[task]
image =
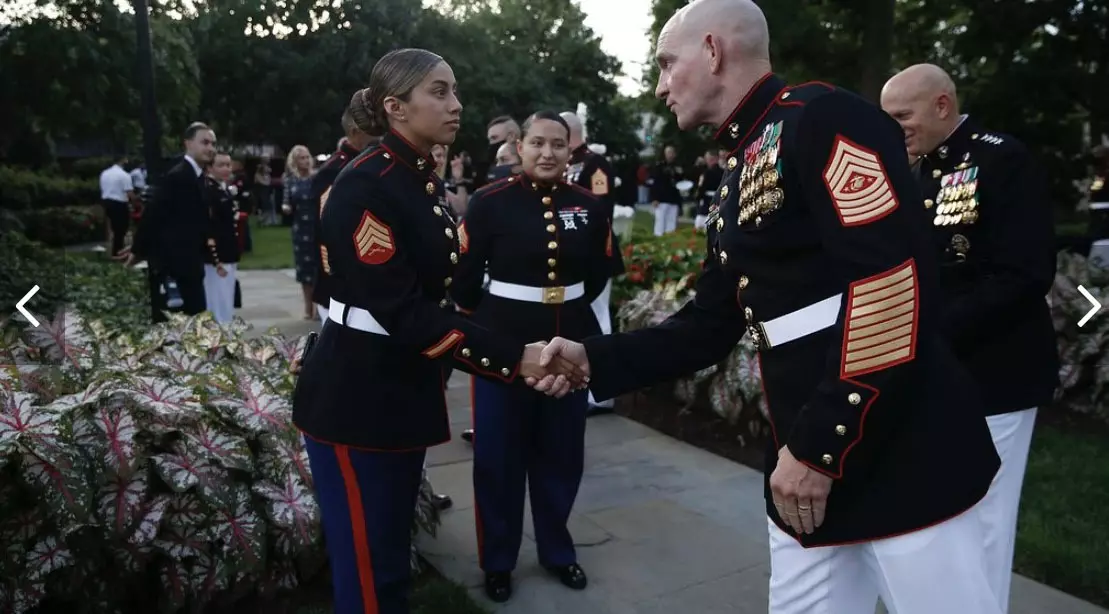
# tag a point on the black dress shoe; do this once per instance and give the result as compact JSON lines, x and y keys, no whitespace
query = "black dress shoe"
{"x":442,"y":502}
{"x":571,"y":576}
{"x":498,"y":586}
{"x":468,"y":435}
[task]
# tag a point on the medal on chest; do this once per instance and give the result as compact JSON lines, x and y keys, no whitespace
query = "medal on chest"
{"x":573,"y":172}
{"x":760,"y":191}
{"x":571,"y":217}
{"x":957,"y":200}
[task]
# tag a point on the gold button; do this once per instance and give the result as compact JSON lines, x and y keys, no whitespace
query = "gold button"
{"x":854,"y":398}
{"x":720,"y":224}
{"x":785,"y":95}
{"x":505,"y":372}
{"x":974,"y":136}
{"x":485,"y":363}
{"x":454,"y":257}
{"x":732,"y":162}
{"x":928,"y":202}
{"x":936,"y":173}
{"x":551,"y":276}
{"x":749,"y":313}
{"x":724,"y":192}
{"x":437,"y":209}
{"x":723,"y":257}
{"x":447,"y":282}
{"x":827,"y":458}
{"x":548,"y":215}
{"x":466,"y":352}
{"x":444,"y":303}
{"x":743,"y":281}
{"x":546,"y":200}
{"x":552,"y":245}
{"x":421,"y":163}
{"x":841,"y":430}
{"x":551,"y":262}
{"x":430,"y":187}
{"x":449,"y":233}
{"x":386,"y":156}
{"x":550,"y":227}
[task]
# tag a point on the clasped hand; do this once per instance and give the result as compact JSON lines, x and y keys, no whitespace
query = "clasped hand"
{"x":555,"y":368}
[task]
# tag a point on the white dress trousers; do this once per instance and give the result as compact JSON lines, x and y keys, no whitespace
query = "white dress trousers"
{"x":219,"y":292}
{"x":1012,"y":436}
{"x":940,"y":569}
{"x":666,"y":218}
{"x":600,"y":307}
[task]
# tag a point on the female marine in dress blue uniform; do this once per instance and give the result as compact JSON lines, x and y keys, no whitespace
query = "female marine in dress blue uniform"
{"x":547,"y":245}
{"x":370,"y":396}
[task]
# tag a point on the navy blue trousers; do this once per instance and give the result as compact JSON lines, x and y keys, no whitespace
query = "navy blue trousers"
{"x":523,"y":438}
{"x":367,"y":504}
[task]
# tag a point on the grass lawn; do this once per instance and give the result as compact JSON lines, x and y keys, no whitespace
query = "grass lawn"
{"x":273,"y":248}
{"x":431,"y":594}
{"x":1062,"y":538}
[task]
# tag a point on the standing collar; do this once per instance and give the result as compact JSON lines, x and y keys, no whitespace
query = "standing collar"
{"x":406,"y":152}
{"x":960,"y":132}
{"x":537,"y":185}
{"x":347,"y":149}
{"x":739,"y":124}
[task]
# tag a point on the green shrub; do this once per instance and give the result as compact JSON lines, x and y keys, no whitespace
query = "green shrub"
{"x":62,"y":226}
{"x":152,"y":471}
{"x":90,"y":168}
{"x":90,"y":282}
{"x":22,"y":188}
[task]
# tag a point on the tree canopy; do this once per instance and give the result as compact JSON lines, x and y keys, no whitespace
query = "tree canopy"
{"x":282,"y":71}
{"x":1033,"y":69}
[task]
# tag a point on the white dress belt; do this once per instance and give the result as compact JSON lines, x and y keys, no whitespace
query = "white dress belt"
{"x":1099,"y":206}
{"x":800,"y":323}
{"x":357,"y":318}
{"x":551,"y":295}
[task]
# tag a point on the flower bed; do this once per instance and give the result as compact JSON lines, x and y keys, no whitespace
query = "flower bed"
{"x":653,"y":262}
{"x":152,"y":470}
{"x":732,"y":388}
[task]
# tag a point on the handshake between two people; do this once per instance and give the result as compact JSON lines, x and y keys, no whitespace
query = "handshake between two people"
{"x":555,"y":368}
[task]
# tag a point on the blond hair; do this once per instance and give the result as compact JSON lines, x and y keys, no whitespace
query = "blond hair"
{"x":290,"y":160}
{"x":442,"y":169}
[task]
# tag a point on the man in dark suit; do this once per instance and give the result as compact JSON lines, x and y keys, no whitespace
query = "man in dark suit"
{"x":172,"y":232}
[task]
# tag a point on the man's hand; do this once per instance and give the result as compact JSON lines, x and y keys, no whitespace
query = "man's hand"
{"x":561,"y":350}
{"x":561,"y":374}
{"x":800,"y":494}
{"x":126,"y":256}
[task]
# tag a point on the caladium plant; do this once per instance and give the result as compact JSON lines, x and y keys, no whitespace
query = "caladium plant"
{"x":733,"y":386}
{"x":154,"y":470}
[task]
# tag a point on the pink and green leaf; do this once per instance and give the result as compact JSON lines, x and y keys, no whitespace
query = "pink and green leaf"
{"x":228,"y":450}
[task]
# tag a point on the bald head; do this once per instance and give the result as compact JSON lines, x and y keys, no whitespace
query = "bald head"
{"x":507,"y":155}
{"x":922,"y":98}
{"x":710,"y":54}
{"x":577,"y":133}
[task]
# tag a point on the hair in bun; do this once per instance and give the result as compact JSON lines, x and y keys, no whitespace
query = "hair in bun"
{"x":395,"y":74}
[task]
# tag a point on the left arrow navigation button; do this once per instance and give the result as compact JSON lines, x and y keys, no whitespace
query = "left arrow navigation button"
{"x":23,"y":310}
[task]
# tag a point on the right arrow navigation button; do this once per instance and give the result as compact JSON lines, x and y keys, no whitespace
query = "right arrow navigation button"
{"x":1093,"y":310}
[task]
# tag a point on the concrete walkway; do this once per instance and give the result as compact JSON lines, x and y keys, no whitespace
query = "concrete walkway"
{"x":661,"y":526}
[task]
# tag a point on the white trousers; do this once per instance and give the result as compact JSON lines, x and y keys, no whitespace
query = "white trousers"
{"x":322,"y":312}
{"x":219,"y":292}
{"x":666,"y":218}
{"x":604,"y":319}
{"x":937,"y":570}
{"x":1012,"y":436}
